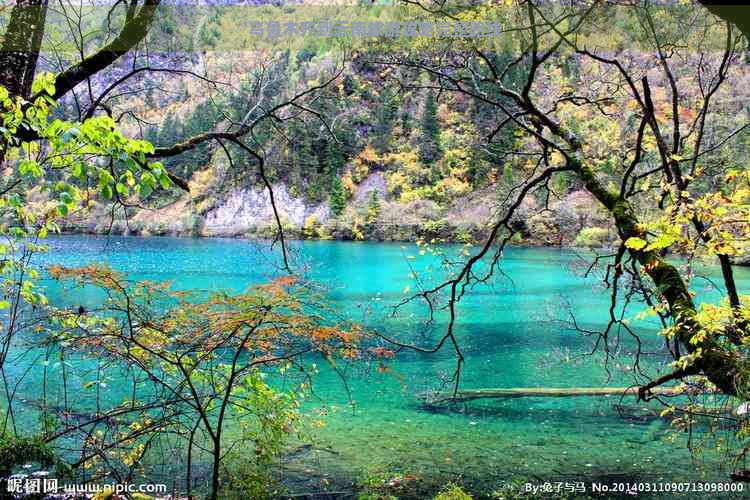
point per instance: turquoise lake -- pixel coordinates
(512, 332)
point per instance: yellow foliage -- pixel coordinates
(310, 228)
(368, 156)
(451, 187)
(397, 183)
(347, 180)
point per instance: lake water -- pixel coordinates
(511, 335)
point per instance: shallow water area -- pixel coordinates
(511, 334)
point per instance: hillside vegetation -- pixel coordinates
(388, 161)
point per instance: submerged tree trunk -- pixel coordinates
(431, 399)
(215, 468)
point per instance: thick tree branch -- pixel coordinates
(131, 34)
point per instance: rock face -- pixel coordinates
(249, 209)
(373, 183)
(246, 211)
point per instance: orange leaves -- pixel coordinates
(722, 248)
(368, 156)
(151, 324)
(286, 281)
(323, 334)
(726, 214)
(330, 338)
(650, 266)
(282, 282)
(100, 275)
(278, 287)
(382, 352)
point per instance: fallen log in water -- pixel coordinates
(438, 398)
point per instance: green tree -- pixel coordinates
(337, 200)
(169, 132)
(373, 207)
(429, 148)
(386, 113)
(334, 160)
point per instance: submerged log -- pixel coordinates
(432, 398)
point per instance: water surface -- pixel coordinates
(510, 333)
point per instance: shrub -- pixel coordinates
(450, 188)
(439, 228)
(310, 228)
(397, 183)
(453, 492)
(16, 451)
(542, 228)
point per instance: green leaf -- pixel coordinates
(129, 178)
(66, 198)
(165, 182)
(30, 167)
(635, 243)
(77, 170)
(70, 134)
(148, 178)
(105, 178)
(663, 241)
(143, 190)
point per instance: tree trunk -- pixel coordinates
(215, 470)
(432, 399)
(21, 42)
(718, 365)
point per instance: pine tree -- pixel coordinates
(151, 134)
(373, 207)
(429, 150)
(386, 114)
(337, 201)
(303, 156)
(169, 133)
(334, 160)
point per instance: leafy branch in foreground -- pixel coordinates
(43, 182)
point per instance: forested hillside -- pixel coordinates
(383, 157)
(382, 153)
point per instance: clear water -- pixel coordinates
(510, 335)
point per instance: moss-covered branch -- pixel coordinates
(717, 364)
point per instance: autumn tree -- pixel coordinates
(208, 362)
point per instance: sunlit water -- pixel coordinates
(511, 336)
